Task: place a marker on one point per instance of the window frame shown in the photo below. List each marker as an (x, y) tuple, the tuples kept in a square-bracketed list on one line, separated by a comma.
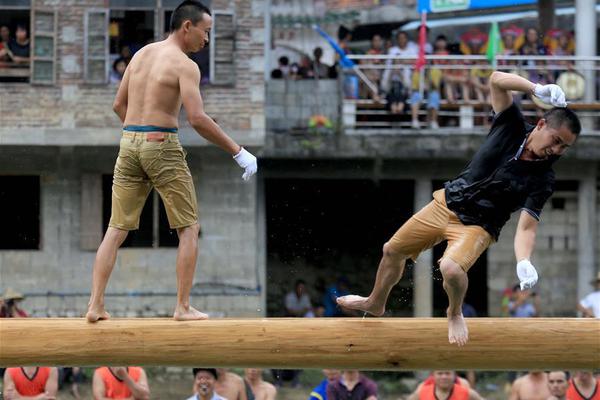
[(86, 55), (213, 46), (33, 33)]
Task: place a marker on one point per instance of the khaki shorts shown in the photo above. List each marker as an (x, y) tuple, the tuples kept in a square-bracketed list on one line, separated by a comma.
[(147, 160), (435, 223)]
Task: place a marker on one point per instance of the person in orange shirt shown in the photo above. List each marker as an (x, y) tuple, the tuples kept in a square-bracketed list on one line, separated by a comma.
[(40, 383), (444, 385), (129, 383), (584, 386)]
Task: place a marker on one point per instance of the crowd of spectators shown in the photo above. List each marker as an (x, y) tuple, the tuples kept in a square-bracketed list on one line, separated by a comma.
[(14, 47)]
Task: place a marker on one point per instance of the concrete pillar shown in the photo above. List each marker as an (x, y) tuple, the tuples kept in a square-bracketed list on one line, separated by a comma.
[(585, 36), (423, 283), (587, 237)]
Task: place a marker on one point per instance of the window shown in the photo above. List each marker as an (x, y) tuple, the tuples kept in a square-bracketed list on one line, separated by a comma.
[(154, 228), (20, 200), (13, 15), (222, 49), (96, 46)]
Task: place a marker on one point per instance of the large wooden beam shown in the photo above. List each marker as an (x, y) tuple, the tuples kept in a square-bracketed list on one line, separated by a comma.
[(371, 343)]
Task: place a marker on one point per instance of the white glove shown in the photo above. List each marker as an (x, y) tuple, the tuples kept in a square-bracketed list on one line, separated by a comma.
[(247, 161), (550, 94), (527, 274)]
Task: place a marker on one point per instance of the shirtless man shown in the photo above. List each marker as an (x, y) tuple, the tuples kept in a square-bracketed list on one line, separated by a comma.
[(230, 385), (262, 390), (158, 80), (511, 171), (558, 383), (533, 386)]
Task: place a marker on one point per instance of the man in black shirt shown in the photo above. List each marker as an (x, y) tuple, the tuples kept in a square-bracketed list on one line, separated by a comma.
[(511, 171)]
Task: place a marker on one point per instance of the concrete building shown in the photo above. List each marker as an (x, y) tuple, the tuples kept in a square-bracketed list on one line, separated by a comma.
[(322, 205)]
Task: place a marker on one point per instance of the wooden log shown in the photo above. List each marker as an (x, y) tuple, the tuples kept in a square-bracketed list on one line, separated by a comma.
[(371, 343)]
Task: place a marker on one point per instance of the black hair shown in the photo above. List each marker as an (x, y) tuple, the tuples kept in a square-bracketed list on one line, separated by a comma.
[(562, 116), (300, 282), (441, 37), (189, 9), (23, 27), (212, 371), (283, 60), (117, 61)]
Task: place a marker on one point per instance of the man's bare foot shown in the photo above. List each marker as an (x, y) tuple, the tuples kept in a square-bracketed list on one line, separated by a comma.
[(354, 302), (189, 314), (457, 330), (95, 314)]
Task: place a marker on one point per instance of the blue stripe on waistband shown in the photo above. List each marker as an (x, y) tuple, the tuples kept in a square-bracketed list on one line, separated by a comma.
[(148, 128)]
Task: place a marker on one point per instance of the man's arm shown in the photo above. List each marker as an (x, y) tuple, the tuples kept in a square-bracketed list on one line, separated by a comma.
[(473, 395), (271, 392), (514, 391), (52, 383), (189, 84), (415, 395), (98, 388), (139, 389), (501, 86), (120, 103), (525, 236), (586, 311)]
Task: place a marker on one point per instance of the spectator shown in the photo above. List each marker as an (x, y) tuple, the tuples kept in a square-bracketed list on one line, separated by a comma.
[(479, 81), (320, 70), (533, 386), (283, 70), (584, 386), (72, 375), (120, 383), (473, 41), (559, 42), (204, 385), (444, 385), (19, 47), (11, 309), (432, 86), (262, 390), (525, 303), (340, 288), (118, 70), (558, 383), (352, 385), (229, 385), (507, 297), (397, 81), (374, 75), (320, 392), (305, 68), (125, 53), (511, 36), (4, 40), (286, 375), (297, 302), (468, 310), (533, 47), (30, 383), (589, 306)]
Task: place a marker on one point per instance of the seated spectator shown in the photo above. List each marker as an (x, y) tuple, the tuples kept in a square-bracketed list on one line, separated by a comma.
[(473, 41), (559, 42), (374, 75), (204, 384), (4, 40), (525, 303), (305, 68), (479, 80), (533, 386), (352, 385), (262, 390), (11, 309), (456, 83), (120, 383), (19, 47), (231, 386), (297, 302), (320, 69), (444, 385), (283, 70), (589, 306), (512, 39), (30, 383), (558, 383), (584, 386), (533, 47), (320, 392), (118, 70), (396, 81)]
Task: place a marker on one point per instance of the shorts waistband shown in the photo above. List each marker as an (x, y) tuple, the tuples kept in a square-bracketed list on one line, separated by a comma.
[(148, 128)]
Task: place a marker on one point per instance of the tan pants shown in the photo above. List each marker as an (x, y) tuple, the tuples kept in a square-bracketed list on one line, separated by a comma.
[(435, 223), (146, 160)]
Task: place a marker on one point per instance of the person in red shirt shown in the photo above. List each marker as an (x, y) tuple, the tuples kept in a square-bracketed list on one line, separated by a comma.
[(120, 383), (584, 386), (444, 385), (40, 383)]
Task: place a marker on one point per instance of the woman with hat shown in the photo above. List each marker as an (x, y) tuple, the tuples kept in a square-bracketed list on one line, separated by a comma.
[(589, 306), (10, 309)]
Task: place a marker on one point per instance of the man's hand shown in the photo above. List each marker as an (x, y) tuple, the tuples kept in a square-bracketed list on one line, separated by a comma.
[(247, 161), (550, 94), (120, 372), (527, 274)]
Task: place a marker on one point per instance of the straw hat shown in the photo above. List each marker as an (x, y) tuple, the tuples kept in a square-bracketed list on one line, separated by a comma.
[(11, 294)]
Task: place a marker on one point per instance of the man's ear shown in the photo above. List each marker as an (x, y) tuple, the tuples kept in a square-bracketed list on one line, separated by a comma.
[(541, 123)]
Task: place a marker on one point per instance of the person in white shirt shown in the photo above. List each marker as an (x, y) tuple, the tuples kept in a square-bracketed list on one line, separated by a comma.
[(204, 384), (589, 306), (297, 302)]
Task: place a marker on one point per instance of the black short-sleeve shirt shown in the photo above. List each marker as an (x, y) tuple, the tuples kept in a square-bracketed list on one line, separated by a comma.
[(496, 182)]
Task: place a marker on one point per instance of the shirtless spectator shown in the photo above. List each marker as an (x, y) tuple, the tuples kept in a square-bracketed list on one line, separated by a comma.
[(230, 385), (533, 386), (262, 390)]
